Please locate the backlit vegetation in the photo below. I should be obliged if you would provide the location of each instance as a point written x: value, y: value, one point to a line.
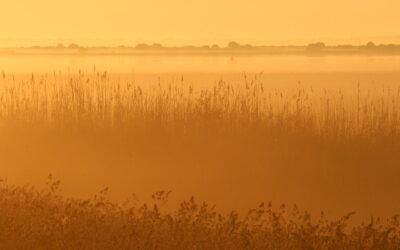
x: 98, y: 101
x: 250, y: 132
x: 42, y: 219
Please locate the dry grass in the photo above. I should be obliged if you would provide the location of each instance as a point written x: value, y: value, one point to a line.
x: 101, y: 101
x: 42, y: 219
x: 250, y: 132
x: 250, y: 117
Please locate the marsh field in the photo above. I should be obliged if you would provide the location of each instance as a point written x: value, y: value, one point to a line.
x: 319, y: 133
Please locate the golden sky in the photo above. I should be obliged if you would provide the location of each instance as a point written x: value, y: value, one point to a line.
x: 178, y: 22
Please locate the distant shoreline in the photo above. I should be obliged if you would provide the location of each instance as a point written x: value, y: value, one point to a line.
x: 232, y: 48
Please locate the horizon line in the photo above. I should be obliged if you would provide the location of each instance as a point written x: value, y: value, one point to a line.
x: 229, y: 45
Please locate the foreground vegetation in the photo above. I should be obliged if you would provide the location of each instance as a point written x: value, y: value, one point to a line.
x: 312, y: 142
x: 43, y: 219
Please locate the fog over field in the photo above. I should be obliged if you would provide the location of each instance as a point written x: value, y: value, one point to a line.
x: 208, y: 124
x: 284, y: 134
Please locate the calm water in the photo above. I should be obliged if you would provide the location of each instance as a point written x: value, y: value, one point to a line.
x: 201, y: 63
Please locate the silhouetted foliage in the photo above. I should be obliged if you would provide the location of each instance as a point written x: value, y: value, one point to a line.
x: 370, y: 45
x: 73, y: 46
x: 234, y: 45
x: 316, y: 46
x: 60, y: 46
x: 43, y: 219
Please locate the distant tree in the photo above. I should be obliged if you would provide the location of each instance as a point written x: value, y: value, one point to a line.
x: 316, y: 46
x: 215, y: 46
x: 234, y: 45
x: 73, y: 46
x: 370, y: 45
x: 247, y: 46
x: 142, y: 46
x: 157, y: 46
x: 60, y: 46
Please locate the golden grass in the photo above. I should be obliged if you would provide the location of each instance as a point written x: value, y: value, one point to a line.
x: 97, y: 100
x: 249, y: 131
x: 42, y: 219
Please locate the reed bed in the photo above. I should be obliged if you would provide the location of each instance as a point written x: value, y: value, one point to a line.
x: 96, y: 100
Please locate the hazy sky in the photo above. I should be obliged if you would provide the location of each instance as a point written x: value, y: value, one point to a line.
x: 177, y: 22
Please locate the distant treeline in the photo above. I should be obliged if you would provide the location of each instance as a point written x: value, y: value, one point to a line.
x: 318, y: 47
